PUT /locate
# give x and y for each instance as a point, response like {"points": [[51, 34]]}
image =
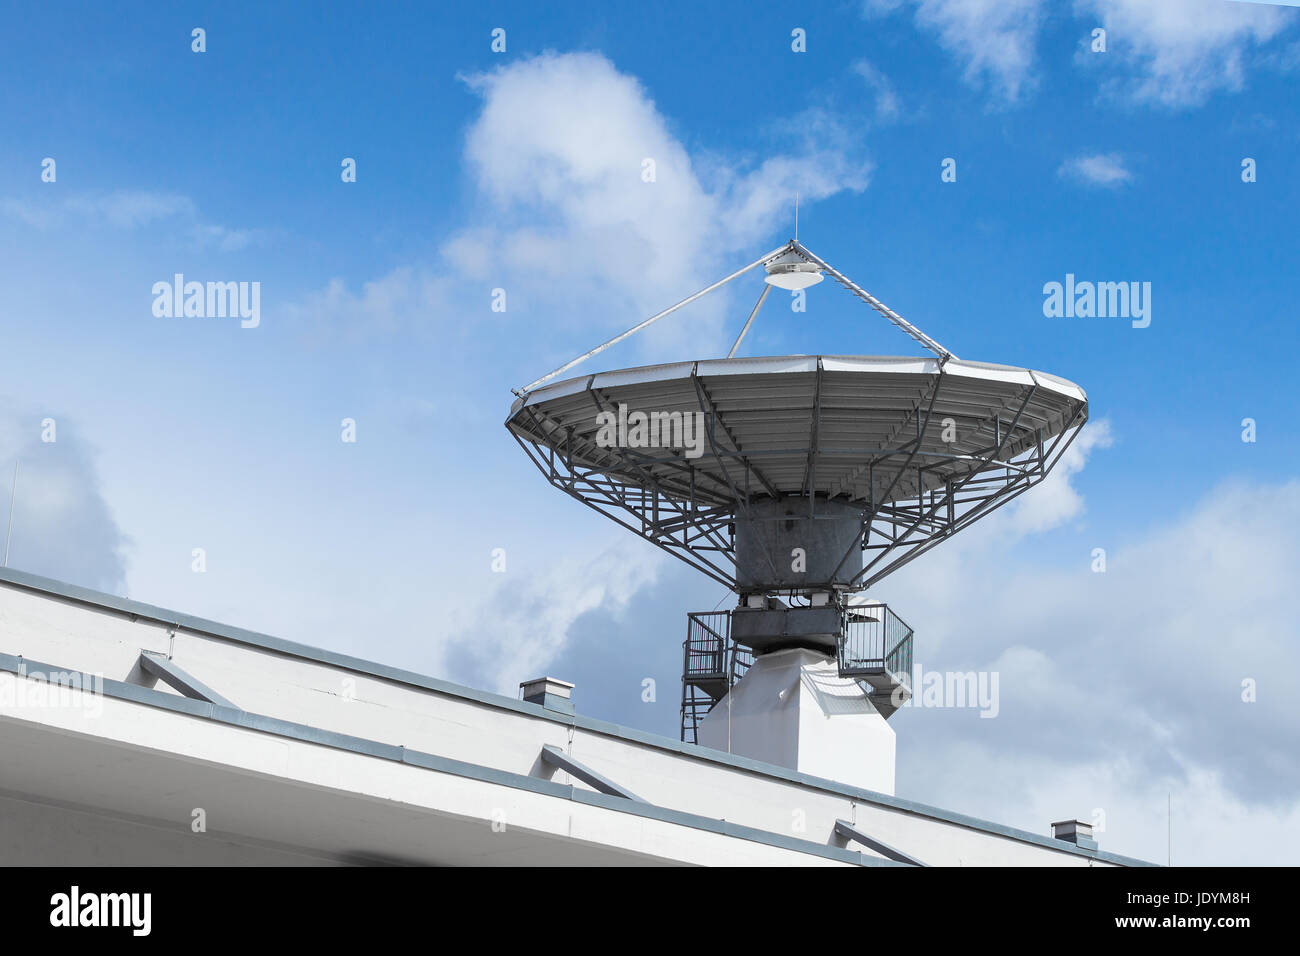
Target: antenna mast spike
{"points": [[13, 492]]}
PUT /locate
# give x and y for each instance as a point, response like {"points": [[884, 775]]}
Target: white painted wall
{"points": [[793, 709], [90, 781]]}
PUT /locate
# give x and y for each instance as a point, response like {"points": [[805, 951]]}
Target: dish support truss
{"points": [[684, 517], [793, 247]]}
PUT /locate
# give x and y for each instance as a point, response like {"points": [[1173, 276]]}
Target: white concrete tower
{"points": [[793, 709]]}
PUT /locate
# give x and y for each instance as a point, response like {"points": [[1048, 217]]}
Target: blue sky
{"points": [[521, 170]]}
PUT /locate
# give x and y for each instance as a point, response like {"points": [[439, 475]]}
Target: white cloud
{"points": [[62, 527], [225, 239], [1101, 169], [1287, 59], [515, 632], [1210, 824], [1178, 52], [993, 40], [1118, 687], [123, 209], [130, 209], [1174, 53], [127, 210], [1056, 500], [559, 152], [404, 301], [887, 107], [565, 219]]}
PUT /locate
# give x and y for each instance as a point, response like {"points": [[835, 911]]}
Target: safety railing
{"points": [[875, 642]]}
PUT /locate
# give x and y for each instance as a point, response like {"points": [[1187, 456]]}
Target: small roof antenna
{"points": [[796, 217], [12, 492]]}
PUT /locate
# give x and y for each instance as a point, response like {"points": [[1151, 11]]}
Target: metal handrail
{"points": [[706, 645], [710, 666], [879, 646], [877, 652]]}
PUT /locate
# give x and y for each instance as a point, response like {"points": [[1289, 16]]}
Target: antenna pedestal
{"points": [[772, 629], [798, 545], [793, 709]]}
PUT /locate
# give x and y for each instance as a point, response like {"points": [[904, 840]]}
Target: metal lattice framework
{"points": [[922, 446]]}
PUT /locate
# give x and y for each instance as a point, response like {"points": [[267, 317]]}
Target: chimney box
{"points": [[549, 692], [1076, 832]]}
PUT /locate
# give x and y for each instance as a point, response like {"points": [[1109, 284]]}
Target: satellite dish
{"points": [[808, 477], [863, 461]]}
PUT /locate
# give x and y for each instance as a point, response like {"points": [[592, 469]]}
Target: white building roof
{"points": [[312, 756]]}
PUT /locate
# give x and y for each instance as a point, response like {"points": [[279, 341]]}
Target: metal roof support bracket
{"points": [[166, 670], [557, 758], [849, 832]]}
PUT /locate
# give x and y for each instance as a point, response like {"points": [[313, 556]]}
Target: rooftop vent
{"points": [[550, 692], [1076, 832]]}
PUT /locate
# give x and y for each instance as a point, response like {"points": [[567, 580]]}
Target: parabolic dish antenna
{"points": [[893, 453], [798, 482]]}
